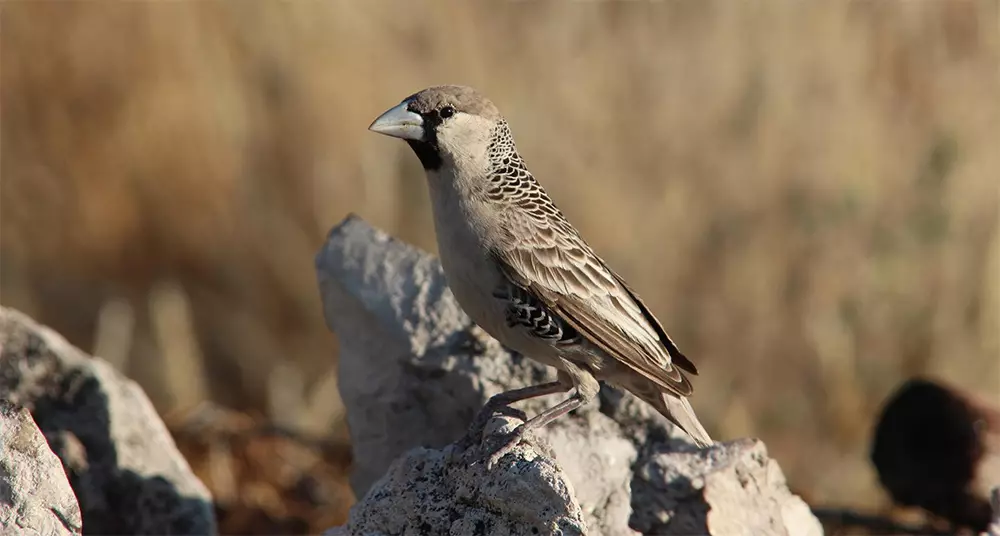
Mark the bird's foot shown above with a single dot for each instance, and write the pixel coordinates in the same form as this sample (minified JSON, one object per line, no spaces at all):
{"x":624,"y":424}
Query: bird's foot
{"x":487,"y":414}
{"x":502,"y":444}
{"x":475,"y":432}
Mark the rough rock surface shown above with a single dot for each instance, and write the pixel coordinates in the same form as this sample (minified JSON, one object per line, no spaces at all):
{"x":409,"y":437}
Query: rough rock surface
{"x":35,"y":497}
{"x":413,"y":373}
{"x":122,"y":463}
{"x":434,"y":492}
{"x":732,"y":488}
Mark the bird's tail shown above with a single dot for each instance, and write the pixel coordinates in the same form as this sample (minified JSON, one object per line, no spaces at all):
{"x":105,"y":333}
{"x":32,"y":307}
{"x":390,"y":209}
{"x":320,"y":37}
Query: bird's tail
{"x":680,"y":412}
{"x":677,"y":409}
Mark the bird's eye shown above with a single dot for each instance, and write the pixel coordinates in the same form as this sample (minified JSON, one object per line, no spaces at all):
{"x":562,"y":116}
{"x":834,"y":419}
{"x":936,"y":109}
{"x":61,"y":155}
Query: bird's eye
{"x":447,"y":112}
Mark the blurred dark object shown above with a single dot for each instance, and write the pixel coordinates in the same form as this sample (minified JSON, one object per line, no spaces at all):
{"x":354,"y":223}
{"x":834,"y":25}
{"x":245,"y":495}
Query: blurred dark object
{"x":933,"y":446}
{"x":265,"y":480}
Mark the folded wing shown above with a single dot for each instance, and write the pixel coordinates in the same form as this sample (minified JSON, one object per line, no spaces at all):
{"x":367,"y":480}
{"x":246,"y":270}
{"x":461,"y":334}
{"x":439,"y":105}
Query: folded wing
{"x":555,"y":265}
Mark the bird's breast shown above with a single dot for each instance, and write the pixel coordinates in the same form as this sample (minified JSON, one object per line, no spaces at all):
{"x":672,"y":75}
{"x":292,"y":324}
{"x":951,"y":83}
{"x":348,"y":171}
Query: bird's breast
{"x":474,"y":276}
{"x":471,"y":274}
{"x":466,"y":228}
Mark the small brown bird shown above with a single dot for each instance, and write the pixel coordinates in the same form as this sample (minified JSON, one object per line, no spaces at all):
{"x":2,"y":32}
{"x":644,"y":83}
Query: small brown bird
{"x":525,"y":275}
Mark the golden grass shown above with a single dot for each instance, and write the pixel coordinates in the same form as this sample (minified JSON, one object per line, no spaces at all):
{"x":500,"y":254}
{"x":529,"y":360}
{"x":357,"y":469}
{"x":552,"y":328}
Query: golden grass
{"x":806,"y":193}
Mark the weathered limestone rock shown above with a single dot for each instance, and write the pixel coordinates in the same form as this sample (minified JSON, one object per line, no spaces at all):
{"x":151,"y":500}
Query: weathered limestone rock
{"x":414,"y":372}
{"x":732,"y":488}
{"x":35,"y":497}
{"x":433,"y":492}
{"x":122,"y":463}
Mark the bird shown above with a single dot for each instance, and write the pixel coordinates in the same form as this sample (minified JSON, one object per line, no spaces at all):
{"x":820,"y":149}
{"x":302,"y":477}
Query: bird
{"x":526,"y":276}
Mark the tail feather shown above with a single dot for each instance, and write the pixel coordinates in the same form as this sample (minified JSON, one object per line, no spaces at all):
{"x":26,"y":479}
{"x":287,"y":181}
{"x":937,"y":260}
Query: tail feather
{"x":680,"y":412}
{"x":677,"y":409}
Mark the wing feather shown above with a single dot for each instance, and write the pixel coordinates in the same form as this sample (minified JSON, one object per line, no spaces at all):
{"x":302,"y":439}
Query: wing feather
{"x":561,"y":270}
{"x":678,"y":358}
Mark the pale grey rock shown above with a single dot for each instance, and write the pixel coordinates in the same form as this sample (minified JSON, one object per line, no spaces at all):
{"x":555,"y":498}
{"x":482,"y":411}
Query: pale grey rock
{"x":414,"y":372}
{"x":435,"y":492}
{"x":124,"y":467}
{"x":35,"y":497}
{"x":730,"y":489}
{"x":398,"y":329}
{"x":593,"y":453}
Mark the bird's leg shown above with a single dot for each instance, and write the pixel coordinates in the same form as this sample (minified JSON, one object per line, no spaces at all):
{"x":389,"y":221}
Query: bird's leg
{"x":503,"y":400}
{"x":510,"y":440}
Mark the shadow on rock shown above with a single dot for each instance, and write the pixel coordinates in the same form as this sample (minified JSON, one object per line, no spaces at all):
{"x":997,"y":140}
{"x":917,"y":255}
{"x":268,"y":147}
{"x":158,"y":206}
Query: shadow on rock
{"x":122,"y":464}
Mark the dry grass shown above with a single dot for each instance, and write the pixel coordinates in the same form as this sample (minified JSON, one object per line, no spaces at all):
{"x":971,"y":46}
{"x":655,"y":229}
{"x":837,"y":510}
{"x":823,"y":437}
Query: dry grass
{"x":806,"y":193}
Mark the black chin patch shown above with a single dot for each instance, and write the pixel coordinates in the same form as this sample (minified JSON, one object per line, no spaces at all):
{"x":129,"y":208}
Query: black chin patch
{"x":427,"y":147}
{"x":428,"y":154}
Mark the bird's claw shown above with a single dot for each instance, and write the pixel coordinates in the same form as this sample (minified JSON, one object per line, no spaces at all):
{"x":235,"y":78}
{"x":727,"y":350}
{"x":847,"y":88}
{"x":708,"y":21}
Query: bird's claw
{"x":475,"y":430}
{"x":504,"y":444}
{"x":508,"y":411}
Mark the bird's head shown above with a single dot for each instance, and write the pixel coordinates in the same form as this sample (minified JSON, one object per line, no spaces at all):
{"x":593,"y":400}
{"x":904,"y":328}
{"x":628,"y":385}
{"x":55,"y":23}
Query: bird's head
{"x":444,"y":125}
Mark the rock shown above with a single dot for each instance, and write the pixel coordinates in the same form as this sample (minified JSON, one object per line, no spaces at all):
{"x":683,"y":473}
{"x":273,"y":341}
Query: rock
{"x":414,"y":372}
{"x":122,"y":463}
{"x":731,"y":488}
{"x":35,"y":497}
{"x":397,"y":325}
{"x":429,"y":492}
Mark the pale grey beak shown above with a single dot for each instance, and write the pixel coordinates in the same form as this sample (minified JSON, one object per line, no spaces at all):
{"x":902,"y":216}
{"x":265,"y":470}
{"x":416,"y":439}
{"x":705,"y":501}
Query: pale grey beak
{"x":399,"y":123}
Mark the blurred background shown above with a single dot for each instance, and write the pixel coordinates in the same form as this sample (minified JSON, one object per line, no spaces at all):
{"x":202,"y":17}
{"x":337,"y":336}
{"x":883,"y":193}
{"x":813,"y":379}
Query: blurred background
{"x":805,"y":194}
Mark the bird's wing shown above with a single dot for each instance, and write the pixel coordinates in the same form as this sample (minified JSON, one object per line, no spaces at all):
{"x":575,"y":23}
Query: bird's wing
{"x":550,"y":260}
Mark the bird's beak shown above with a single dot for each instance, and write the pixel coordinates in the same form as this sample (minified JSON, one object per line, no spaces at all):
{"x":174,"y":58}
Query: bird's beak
{"x":399,"y":123}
